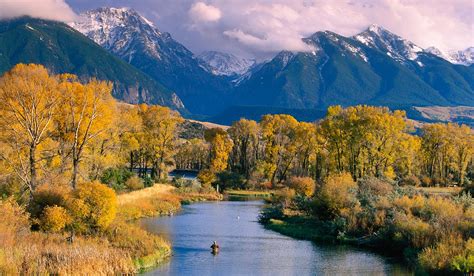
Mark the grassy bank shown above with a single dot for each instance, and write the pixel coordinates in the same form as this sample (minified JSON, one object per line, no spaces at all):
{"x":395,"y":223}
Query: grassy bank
{"x":301,"y":228}
{"x":249,"y":193}
{"x":157,"y":200}
{"x":122,"y":248}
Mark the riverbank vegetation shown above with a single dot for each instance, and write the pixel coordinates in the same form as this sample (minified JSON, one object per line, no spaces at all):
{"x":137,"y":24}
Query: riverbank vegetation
{"x":362,"y":175}
{"x":67,"y":148}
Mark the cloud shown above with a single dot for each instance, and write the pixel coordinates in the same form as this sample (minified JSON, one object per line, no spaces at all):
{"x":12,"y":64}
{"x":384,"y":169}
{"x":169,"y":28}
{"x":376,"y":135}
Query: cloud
{"x":204,"y":13}
{"x":46,"y":9}
{"x":262,"y":27}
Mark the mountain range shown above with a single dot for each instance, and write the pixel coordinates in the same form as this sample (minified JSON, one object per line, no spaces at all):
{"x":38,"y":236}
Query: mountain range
{"x":374,"y":67}
{"x":63,"y":49}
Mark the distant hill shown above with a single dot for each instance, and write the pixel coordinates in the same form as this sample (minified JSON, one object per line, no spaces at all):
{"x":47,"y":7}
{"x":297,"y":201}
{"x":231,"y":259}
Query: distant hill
{"x":62,"y":49}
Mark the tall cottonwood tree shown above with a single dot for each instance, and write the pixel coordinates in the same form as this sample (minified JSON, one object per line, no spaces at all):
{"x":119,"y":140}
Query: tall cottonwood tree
{"x":29,"y":98}
{"x":220,"y":148}
{"x":245,"y":134}
{"x":87,"y":112}
{"x":160,"y":136}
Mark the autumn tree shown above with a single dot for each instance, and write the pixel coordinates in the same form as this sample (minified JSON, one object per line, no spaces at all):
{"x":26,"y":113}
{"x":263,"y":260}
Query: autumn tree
{"x":220,"y":148}
{"x":279,"y":148}
{"x":29,"y":99}
{"x":192,"y":154}
{"x":87,"y":112}
{"x":364,"y":139}
{"x":245,"y":135}
{"x":160,"y":136}
{"x":447,"y":148}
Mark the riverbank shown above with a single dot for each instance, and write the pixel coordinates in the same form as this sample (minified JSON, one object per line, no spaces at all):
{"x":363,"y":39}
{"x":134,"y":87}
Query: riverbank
{"x":234,"y":225}
{"x":155,"y":201}
{"x":249,"y":193}
{"x":431,"y":232}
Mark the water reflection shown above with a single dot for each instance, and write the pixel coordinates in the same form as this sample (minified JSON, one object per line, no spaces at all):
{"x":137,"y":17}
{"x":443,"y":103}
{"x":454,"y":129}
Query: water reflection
{"x":246,"y":248}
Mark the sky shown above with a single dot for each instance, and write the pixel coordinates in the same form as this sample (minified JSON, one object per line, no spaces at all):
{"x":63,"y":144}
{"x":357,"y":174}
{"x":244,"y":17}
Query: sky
{"x":258,"y":28}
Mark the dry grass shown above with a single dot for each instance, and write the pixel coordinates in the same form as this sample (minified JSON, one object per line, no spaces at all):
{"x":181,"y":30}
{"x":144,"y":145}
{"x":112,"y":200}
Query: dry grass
{"x":441,"y":191}
{"x":158,"y":190}
{"x":149,"y":202}
{"x":23,"y":252}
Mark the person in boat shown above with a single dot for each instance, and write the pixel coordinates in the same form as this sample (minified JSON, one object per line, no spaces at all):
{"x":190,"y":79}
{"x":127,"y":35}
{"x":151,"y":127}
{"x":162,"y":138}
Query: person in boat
{"x":215,"y":247}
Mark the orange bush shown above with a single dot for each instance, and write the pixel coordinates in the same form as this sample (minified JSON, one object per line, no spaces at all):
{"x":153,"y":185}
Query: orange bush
{"x":302,"y":185}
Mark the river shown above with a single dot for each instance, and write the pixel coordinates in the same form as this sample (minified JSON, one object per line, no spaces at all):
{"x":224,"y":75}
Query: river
{"x":247,"y":248}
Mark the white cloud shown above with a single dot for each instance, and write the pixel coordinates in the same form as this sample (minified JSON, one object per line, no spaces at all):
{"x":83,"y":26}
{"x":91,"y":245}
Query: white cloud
{"x":46,"y":9}
{"x":261,"y":26}
{"x":201,"y":12}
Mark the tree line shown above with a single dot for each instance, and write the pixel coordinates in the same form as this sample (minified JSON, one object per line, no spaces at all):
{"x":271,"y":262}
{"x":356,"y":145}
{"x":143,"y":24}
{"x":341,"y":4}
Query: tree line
{"x":60,"y":129}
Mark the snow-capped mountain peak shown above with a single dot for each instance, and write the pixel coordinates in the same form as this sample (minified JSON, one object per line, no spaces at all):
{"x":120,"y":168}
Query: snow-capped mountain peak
{"x":116,"y":29}
{"x":393,"y":45}
{"x":225,"y":64}
{"x":462,"y":57}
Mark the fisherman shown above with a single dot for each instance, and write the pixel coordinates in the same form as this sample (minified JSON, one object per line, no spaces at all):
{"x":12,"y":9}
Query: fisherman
{"x":215,"y":247}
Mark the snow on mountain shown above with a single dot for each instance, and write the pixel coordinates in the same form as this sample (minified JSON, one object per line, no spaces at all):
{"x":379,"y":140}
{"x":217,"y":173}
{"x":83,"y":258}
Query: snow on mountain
{"x":117,"y":29}
{"x":462,"y":57}
{"x":393,"y":45}
{"x":225,"y":64}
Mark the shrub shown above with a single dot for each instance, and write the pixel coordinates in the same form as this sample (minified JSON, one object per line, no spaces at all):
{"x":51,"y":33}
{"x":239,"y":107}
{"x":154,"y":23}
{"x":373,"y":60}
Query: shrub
{"x":283,"y":197}
{"x":426,"y":181}
{"x":337,"y":194}
{"x":375,"y":186}
{"x":411,"y":180}
{"x":134,"y":183}
{"x":54,"y":219}
{"x":302,"y":185}
{"x":47,"y":195}
{"x":14,"y":222}
{"x":10,"y":186}
{"x":230,"y":180}
{"x":116,"y":177}
{"x":412,"y":231}
{"x":440,"y":257}
{"x":93,"y":207}
{"x":464,"y":262}
{"x":206,"y":177}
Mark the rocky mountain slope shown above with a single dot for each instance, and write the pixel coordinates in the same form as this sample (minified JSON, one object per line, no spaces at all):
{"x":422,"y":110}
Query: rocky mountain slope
{"x":62,"y":49}
{"x":127,"y":34}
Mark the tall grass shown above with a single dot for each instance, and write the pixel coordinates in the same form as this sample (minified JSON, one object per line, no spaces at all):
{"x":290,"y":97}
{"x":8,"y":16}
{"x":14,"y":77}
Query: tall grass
{"x":37,"y":253}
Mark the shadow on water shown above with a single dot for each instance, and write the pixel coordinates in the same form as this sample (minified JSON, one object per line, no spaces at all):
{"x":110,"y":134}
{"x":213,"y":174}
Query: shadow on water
{"x":247,"y":248}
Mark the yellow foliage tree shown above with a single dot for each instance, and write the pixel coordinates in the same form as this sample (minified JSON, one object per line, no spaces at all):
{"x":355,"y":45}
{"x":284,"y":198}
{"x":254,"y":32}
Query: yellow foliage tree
{"x":220,"y":148}
{"x":87,"y":112}
{"x":29,"y":99}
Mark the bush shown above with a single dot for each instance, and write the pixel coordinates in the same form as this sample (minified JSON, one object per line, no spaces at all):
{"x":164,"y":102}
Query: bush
{"x":230,"y":180}
{"x":10,"y":186}
{"x":440,"y":257}
{"x":54,"y":219}
{"x":116,"y":177}
{"x":47,"y":195}
{"x":336,"y":196}
{"x":302,"y":185}
{"x":93,"y":207}
{"x":464,"y":262}
{"x":134,"y":183}
{"x":412,"y":180}
{"x":426,"y":181}
{"x":206,"y":177}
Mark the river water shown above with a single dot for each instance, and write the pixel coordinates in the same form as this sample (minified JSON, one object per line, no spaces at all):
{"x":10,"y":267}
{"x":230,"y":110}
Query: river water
{"x":247,"y":248}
